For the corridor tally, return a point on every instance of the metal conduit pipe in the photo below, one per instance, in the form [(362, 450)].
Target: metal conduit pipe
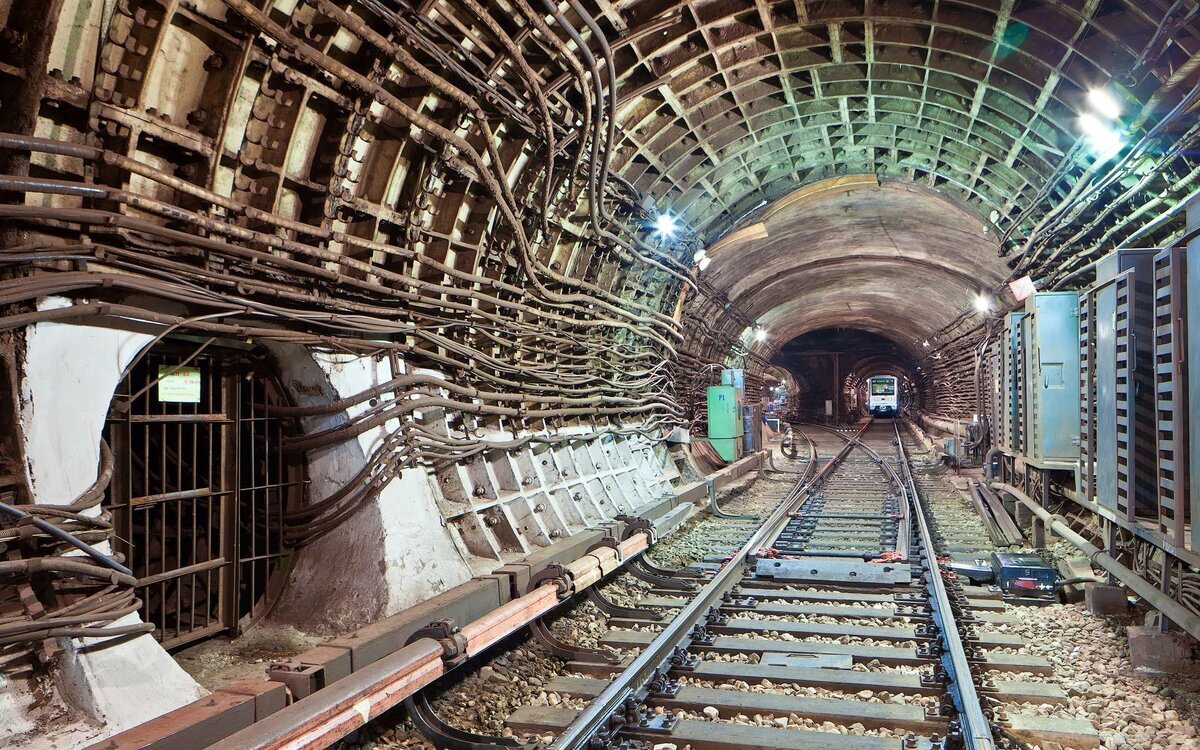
[(987, 462), (64, 536), (505, 201), (596, 204), (226, 229), (1171, 609), (26, 290), (945, 424)]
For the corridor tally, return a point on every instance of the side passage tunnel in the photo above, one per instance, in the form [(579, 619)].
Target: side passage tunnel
[(200, 486)]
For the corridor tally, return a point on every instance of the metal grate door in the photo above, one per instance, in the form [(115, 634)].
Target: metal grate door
[(1124, 391), (199, 490)]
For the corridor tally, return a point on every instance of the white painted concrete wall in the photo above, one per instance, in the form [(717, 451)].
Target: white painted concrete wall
[(391, 554), (70, 373)]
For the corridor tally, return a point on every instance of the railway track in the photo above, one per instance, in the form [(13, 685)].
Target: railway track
[(822, 618), (827, 628)]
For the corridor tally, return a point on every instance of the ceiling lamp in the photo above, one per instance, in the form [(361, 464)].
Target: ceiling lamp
[(1103, 139), (665, 225), (1104, 103)]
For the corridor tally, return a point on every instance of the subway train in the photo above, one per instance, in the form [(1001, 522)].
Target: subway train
[(882, 395)]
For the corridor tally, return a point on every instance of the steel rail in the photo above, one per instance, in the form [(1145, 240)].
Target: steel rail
[(329, 714), (903, 533), (976, 729), (595, 717)]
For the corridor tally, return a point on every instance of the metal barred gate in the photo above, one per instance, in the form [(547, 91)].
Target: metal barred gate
[(200, 485)]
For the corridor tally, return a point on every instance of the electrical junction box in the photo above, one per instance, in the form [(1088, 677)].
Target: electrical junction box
[(1117, 358), (736, 378), (950, 448), (725, 428), (1049, 350), (1024, 575)]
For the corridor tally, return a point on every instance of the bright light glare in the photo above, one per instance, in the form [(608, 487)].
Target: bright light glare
[(666, 225), (703, 264), (699, 256), (1104, 141), (760, 334), (925, 344), (983, 303), (1104, 103)]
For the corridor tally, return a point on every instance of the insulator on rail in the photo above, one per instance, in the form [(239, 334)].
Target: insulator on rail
[(445, 632), (556, 574), (634, 524), (607, 542)]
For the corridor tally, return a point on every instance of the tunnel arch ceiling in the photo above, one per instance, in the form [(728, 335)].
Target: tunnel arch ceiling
[(725, 106), (891, 258)]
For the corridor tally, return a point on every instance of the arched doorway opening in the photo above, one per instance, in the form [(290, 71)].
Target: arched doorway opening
[(201, 482)]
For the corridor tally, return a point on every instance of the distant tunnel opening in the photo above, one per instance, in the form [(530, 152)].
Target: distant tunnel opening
[(832, 367)]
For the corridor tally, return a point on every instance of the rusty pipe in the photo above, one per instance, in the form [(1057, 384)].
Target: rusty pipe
[(1173, 610)]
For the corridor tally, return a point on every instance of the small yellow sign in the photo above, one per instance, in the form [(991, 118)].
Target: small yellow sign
[(179, 385)]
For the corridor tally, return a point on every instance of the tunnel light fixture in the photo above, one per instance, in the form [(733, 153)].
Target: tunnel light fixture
[(699, 256), (760, 333), (925, 343), (1102, 138), (665, 225), (703, 264), (1103, 103), (983, 303)]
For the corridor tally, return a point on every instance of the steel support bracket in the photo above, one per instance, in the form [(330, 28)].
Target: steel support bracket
[(301, 680), (445, 632), (683, 661), (701, 636), (636, 569), (744, 602), (570, 652), (609, 542), (662, 685), (634, 524), (441, 734), (612, 609), (556, 574)]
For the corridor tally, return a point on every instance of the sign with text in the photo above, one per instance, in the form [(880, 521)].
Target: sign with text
[(179, 385)]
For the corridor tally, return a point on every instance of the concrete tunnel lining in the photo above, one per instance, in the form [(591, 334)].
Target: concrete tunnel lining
[(287, 172), (898, 259)]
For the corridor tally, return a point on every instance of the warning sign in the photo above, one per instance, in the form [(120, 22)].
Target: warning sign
[(179, 385)]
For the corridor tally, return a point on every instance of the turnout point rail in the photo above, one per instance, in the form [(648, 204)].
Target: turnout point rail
[(856, 528)]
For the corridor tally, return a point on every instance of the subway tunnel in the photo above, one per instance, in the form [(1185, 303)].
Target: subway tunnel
[(335, 330)]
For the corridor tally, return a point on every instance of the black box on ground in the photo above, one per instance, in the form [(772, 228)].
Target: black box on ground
[(1024, 574)]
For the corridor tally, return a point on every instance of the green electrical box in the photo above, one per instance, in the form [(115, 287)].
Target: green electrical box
[(725, 421)]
